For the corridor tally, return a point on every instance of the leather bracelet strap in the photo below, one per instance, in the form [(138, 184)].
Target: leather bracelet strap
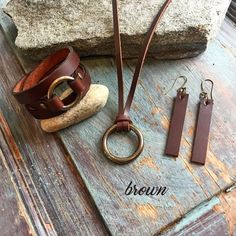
[(32, 90)]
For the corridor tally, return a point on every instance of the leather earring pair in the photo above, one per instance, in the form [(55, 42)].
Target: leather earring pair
[(202, 126)]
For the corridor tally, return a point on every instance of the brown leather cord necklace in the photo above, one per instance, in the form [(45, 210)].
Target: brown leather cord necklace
[(123, 121)]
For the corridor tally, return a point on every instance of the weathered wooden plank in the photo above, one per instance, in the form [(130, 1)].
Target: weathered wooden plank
[(188, 184), (61, 189), (11, 207), (107, 182), (231, 13), (209, 65), (226, 35), (214, 217), (25, 196), (218, 64), (10, 210), (161, 75)]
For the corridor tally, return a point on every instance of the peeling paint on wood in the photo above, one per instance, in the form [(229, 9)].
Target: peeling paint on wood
[(147, 211), (26, 199), (10, 207), (227, 207), (214, 217)]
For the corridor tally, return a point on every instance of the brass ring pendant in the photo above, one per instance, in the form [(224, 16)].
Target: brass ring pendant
[(117, 159), (57, 82)]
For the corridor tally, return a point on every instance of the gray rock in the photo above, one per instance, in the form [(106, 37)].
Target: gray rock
[(44, 25)]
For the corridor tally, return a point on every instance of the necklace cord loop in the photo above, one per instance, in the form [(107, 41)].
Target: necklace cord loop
[(123, 123)]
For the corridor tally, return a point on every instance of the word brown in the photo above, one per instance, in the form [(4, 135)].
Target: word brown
[(149, 191)]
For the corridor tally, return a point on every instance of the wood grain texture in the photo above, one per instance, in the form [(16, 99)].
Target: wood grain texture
[(188, 184), (231, 13), (11, 207), (214, 217), (61, 190), (26, 194)]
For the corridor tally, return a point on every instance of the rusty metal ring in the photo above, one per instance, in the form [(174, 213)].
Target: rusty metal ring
[(55, 83), (117, 159)]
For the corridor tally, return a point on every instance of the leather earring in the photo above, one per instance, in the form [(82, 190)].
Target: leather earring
[(203, 125), (177, 120)]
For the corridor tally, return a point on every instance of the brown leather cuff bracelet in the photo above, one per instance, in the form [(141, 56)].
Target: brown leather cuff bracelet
[(36, 90)]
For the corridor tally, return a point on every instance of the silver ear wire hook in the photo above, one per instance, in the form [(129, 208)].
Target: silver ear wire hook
[(182, 88), (204, 94)]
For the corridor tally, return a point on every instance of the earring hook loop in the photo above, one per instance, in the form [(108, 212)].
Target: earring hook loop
[(203, 91), (180, 88)]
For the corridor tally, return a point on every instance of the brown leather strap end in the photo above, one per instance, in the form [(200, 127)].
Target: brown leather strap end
[(55, 104), (77, 86), (176, 125), (202, 131), (123, 122)]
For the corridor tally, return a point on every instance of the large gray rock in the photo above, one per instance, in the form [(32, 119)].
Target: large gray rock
[(44, 25)]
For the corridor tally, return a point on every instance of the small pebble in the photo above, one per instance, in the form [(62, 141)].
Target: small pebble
[(94, 101)]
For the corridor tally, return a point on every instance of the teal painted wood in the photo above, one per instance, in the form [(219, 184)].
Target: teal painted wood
[(188, 184), (214, 217), (217, 64), (203, 220), (162, 75), (107, 182)]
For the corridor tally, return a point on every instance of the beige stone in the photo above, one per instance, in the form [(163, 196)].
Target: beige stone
[(94, 100)]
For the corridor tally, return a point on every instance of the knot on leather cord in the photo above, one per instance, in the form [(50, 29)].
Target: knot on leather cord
[(123, 123)]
